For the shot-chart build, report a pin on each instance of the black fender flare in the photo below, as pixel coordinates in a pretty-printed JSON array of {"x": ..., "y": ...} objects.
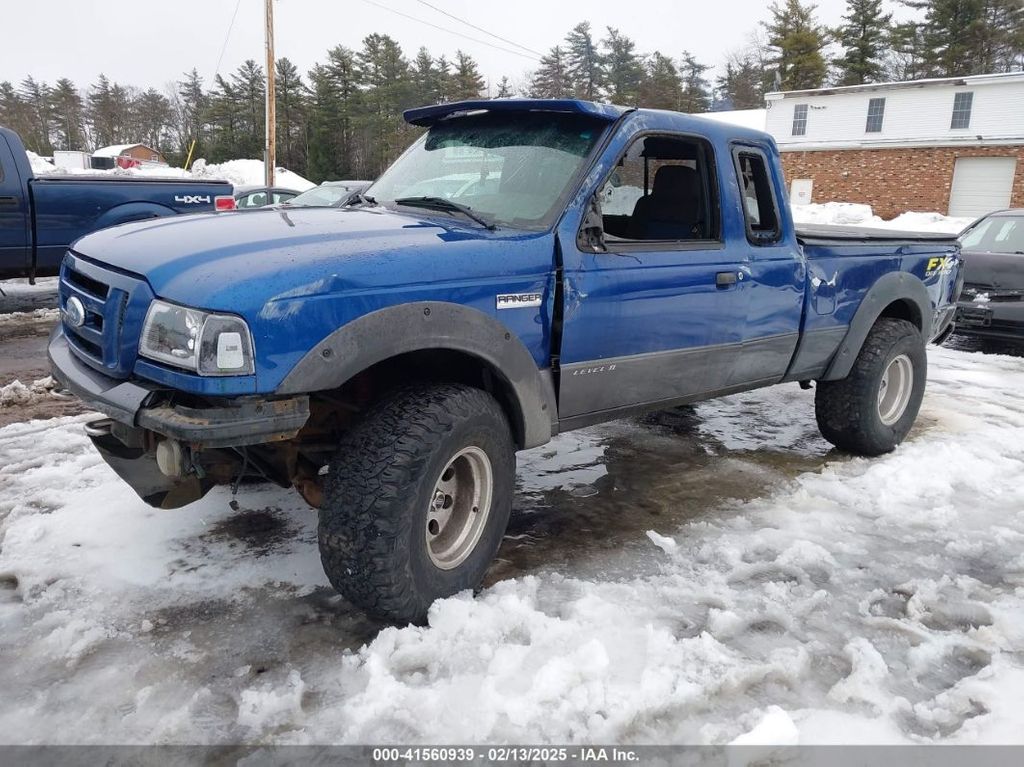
[
  {"x": 422, "y": 325},
  {"x": 128, "y": 212},
  {"x": 888, "y": 289}
]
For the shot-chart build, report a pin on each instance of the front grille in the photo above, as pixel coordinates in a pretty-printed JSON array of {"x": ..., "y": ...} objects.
[{"x": 115, "y": 305}]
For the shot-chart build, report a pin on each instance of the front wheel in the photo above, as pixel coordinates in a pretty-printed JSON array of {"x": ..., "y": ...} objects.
[
  {"x": 417, "y": 500},
  {"x": 871, "y": 410}
]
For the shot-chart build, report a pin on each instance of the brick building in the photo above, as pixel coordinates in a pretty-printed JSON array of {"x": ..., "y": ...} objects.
[{"x": 953, "y": 145}]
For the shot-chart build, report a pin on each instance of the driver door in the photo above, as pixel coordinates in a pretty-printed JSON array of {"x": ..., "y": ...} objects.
[{"x": 657, "y": 315}]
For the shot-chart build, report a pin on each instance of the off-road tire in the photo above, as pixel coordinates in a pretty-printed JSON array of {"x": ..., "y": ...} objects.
[
  {"x": 379, "y": 487},
  {"x": 848, "y": 410}
]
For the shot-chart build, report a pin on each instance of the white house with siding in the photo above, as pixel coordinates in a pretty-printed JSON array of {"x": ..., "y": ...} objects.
[{"x": 954, "y": 145}]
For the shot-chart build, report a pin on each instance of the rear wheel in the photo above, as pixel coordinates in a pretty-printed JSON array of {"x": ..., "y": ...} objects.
[
  {"x": 871, "y": 410},
  {"x": 417, "y": 500}
]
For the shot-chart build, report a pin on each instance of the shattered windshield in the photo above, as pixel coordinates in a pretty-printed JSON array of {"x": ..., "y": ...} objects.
[{"x": 509, "y": 169}]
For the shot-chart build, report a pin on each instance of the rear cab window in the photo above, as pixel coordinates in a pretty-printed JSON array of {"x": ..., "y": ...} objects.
[{"x": 757, "y": 193}]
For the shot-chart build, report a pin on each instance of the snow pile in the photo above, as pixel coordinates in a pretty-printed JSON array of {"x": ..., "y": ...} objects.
[
  {"x": 249, "y": 173},
  {"x": 40, "y": 166},
  {"x": 32, "y": 317},
  {"x": 857, "y": 214},
  {"x": 237, "y": 172},
  {"x": 842, "y": 600},
  {"x": 16, "y": 393}
]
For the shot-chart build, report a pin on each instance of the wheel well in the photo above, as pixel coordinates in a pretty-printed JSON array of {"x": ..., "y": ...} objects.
[
  {"x": 436, "y": 365},
  {"x": 904, "y": 310}
]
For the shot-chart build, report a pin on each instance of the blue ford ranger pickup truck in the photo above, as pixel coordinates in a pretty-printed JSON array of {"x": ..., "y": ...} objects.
[
  {"x": 40, "y": 217},
  {"x": 387, "y": 359}
]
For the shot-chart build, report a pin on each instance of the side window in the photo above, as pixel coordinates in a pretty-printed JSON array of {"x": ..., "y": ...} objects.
[
  {"x": 962, "y": 103},
  {"x": 663, "y": 188},
  {"x": 759, "y": 206},
  {"x": 800, "y": 120},
  {"x": 876, "y": 113}
]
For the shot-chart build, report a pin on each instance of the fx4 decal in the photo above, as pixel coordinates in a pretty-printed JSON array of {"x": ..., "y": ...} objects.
[
  {"x": 192, "y": 199},
  {"x": 943, "y": 265}
]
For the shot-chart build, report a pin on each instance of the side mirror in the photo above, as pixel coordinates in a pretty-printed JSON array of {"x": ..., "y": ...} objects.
[{"x": 591, "y": 235}]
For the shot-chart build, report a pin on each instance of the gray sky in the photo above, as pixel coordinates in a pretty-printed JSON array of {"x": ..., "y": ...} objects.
[{"x": 142, "y": 42}]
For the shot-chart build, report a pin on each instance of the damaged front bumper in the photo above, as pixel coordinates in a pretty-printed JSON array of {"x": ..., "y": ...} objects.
[
  {"x": 1000, "y": 317},
  {"x": 151, "y": 441}
]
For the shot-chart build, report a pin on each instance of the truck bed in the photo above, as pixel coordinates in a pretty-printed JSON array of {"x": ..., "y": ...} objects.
[
  {"x": 826, "y": 234},
  {"x": 93, "y": 178}
]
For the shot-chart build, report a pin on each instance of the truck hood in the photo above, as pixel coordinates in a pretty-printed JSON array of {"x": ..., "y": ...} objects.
[
  {"x": 996, "y": 271},
  {"x": 239, "y": 261}
]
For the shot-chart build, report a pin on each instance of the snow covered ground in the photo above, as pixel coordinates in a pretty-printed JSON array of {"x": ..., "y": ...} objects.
[
  {"x": 238, "y": 172},
  {"x": 694, "y": 576}
]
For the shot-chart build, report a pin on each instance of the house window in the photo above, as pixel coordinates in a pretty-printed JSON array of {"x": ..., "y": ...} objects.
[
  {"x": 962, "y": 110},
  {"x": 800, "y": 120},
  {"x": 876, "y": 113}
]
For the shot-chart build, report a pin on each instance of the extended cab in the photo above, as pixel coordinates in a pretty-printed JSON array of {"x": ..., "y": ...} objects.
[
  {"x": 387, "y": 359},
  {"x": 41, "y": 216}
]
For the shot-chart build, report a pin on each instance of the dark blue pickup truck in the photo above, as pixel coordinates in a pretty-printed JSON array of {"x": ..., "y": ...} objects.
[
  {"x": 526, "y": 267},
  {"x": 40, "y": 217}
]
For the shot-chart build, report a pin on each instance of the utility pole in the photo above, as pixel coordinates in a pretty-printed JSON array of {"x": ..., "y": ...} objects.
[{"x": 270, "y": 151}]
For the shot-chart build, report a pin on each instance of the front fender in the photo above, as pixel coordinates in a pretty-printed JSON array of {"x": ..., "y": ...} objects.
[
  {"x": 423, "y": 325},
  {"x": 888, "y": 289}
]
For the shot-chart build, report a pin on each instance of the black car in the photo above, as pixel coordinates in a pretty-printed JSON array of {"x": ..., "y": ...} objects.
[{"x": 992, "y": 301}]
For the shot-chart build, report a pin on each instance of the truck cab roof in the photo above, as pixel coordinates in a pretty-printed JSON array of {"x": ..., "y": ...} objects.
[{"x": 660, "y": 119}]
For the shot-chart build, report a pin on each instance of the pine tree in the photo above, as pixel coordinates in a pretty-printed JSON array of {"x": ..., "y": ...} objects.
[
  {"x": 797, "y": 42},
  {"x": 445, "y": 79},
  {"x": 35, "y": 98},
  {"x": 505, "y": 90},
  {"x": 742, "y": 84},
  {"x": 908, "y": 54},
  {"x": 583, "y": 63},
  {"x": 249, "y": 88},
  {"x": 967, "y": 37},
  {"x": 551, "y": 80},
  {"x": 661, "y": 87},
  {"x": 468, "y": 84},
  {"x": 69, "y": 116},
  {"x": 290, "y": 125},
  {"x": 101, "y": 112},
  {"x": 14, "y": 113},
  {"x": 388, "y": 90},
  {"x": 188, "y": 104},
  {"x": 863, "y": 36},
  {"x": 426, "y": 83},
  {"x": 152, "y": 112},
  {"x": 696, "y": 96},
  {"x": 624, "y": 70}
]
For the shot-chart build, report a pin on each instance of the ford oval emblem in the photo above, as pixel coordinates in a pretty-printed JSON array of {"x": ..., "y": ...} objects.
[{"x": 74, "y": 312}]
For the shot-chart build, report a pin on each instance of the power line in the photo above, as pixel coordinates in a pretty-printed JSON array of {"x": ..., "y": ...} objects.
[
  {"x": 478, "y": 29},
  {"x": 451, "y": 31},
  {"x": 227, "y": 37}
]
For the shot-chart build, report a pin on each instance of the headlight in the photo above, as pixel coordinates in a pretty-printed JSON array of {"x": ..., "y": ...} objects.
[{"x": 209, "y": 344}]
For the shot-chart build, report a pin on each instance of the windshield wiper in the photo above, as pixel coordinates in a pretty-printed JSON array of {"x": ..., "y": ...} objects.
[{"x": 440, "y": 203}]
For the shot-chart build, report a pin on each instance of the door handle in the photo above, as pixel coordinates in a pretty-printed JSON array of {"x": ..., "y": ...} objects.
[
  {"x": 725, "y": 280},
  {"x": 8, "y": 200}
]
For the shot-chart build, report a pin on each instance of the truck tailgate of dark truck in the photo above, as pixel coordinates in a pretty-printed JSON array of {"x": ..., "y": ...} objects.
[{"x": 41, "y": 216}]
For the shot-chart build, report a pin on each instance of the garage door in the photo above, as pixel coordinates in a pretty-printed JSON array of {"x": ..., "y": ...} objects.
[{"x": 981, "y": 185}]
